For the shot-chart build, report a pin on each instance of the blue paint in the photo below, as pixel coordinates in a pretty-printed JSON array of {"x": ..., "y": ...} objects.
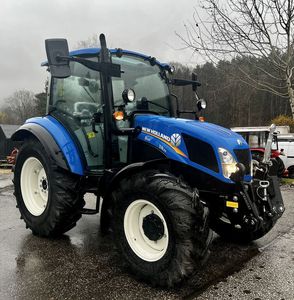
[
  {"x": 96, "y": 51},
  {"x": 63, "y": 140},
  {"x": 212, "y": 134}
]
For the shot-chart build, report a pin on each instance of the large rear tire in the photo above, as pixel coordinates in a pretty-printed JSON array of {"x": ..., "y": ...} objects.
[
  {"x": 160, "y": 227},
  {"x": 49, "y": 198}
]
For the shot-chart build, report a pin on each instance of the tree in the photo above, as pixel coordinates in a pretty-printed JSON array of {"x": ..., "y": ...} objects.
[
  {"x": 20, "y": 106},
  {"x": 41, "y": 103},
  {"x": 284, "y": 120},
  {"x": 229, "y": 102},
  {"x": 258, "y": 32},
  {"x": 3, "y": 118},
  {"x": 91, "y": 42}
]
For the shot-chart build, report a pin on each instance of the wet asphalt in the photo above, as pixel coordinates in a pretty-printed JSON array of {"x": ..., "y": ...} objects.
[{"x": 84, "y": 265}]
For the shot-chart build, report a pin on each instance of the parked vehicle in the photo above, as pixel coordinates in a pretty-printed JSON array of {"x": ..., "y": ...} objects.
[
  {"x": 165, "y": 181},
  {"x": 256, "y": 137},
  {"x": 286, "y": 147},
  {"x": 6, "y": 144}
]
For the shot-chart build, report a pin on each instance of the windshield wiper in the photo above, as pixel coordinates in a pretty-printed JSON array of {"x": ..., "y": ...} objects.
[
  {"x": 144, "y": 99},
  {"x": 88, "y": 93}
]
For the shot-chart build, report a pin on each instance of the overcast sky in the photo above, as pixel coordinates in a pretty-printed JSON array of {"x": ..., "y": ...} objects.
[{"x": 145, "y": 26}]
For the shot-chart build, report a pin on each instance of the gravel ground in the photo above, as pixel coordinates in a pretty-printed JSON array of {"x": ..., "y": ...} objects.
[{"x": 84, "y": 265}]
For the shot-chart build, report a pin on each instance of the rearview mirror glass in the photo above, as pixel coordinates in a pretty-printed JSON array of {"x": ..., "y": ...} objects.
[{"x": 56, "y": 48}]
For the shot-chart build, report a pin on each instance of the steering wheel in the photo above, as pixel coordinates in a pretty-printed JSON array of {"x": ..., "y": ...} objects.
[{"x": 79, "y": 113}]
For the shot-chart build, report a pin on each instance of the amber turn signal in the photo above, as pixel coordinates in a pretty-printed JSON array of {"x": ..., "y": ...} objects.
[
  {"x": 118, "y": 115},
  {"x": 201, "y": 119}
]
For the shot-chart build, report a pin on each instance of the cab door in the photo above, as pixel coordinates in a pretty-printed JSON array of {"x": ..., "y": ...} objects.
[{"x": 73, "y": 101}]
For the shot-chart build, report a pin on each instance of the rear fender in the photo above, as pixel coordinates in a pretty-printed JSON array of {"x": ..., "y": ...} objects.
[{"x": 56, "y": 141}]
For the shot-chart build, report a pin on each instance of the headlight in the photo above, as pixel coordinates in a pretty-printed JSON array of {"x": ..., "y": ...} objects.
[
  {"x": 128, "y": 95},
  {"x": 229, "y": 165},
  {"x": 201, "y": 104}
]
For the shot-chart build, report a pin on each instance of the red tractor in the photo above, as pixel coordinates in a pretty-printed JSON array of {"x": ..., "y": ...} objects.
[{"x": 257, "y": 138}]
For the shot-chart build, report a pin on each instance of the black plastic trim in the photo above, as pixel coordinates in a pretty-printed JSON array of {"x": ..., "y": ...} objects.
[{"x": 45, "y": 138}]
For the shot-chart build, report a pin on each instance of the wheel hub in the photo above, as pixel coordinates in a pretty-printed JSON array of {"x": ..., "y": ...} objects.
[
  {"x": 44, "y": 184},
  {"x": 153, "y": 227},
  {"x": 146, "y": 230}
]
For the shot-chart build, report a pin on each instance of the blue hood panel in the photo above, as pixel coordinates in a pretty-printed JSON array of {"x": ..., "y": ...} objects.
[{"x": 165, "y": 134}]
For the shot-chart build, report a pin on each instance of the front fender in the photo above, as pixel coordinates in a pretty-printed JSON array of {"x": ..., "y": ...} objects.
[{"x": 55, "y": 140}]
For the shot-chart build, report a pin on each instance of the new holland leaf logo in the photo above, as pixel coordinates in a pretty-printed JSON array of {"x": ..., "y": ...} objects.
[{"x": 175, "y": 139}]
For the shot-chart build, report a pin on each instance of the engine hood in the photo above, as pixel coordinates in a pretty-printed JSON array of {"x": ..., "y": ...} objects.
[{"x": 170, "y": 136}]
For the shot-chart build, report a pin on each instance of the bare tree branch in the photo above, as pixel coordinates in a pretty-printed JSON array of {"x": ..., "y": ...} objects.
[{"x": 258, "y": 31}]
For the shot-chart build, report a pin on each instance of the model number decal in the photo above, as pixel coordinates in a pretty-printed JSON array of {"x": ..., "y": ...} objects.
[{"x": 173, "y": 141}]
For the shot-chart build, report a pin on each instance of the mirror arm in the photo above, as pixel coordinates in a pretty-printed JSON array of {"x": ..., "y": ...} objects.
[
  {"x": 184, "y": 82},
  {"x": 105, "y": 67}
]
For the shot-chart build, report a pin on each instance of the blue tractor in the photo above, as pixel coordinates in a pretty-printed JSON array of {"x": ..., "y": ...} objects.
[{"x": 113, "y": 129}]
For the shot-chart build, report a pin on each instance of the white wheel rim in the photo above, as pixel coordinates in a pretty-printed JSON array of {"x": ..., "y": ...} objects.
[
  {"x": 147, "y": 249},
  {"x": 34, "y": 186}
]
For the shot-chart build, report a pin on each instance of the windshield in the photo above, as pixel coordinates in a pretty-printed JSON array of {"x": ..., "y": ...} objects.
[{"x": 146, "y": 81}]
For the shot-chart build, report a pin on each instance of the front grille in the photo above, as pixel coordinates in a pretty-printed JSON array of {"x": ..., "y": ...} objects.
[
  {"x": 243, "y": 156},
  {"x": 200, "y": 152}
]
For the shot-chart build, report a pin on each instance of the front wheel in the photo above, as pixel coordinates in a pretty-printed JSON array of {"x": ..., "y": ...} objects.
[
  {"x": 160, "y": 227},
  {"x": 49, "y": 198}
]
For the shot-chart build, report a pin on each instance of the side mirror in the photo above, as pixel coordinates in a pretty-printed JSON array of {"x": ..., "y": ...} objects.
[{"x": 56, "y": 50}]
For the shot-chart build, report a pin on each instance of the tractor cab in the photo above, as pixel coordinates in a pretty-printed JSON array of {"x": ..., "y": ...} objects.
[
  {"x": 79, "y": 101},
  {"x": 75, "y": 100}
]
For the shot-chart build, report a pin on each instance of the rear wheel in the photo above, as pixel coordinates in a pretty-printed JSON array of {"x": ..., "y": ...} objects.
[
  {"x": 49, "y": 198},
  {"x": 160, "y": 227}
]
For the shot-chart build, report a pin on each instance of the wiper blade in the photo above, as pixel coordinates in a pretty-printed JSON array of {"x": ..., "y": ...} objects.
[{"x": 144, "y": 99}]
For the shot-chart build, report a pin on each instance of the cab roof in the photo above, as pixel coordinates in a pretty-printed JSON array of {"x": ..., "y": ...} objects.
[{"x": 96, "y": 51}]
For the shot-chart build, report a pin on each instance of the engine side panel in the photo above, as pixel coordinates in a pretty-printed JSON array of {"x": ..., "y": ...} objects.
[{"x": 168, "y": 136}]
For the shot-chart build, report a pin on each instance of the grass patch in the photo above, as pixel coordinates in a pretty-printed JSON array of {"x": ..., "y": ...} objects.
[
  {"x": 285, "y": 181},
  {"x": 5, "y": 171}
]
